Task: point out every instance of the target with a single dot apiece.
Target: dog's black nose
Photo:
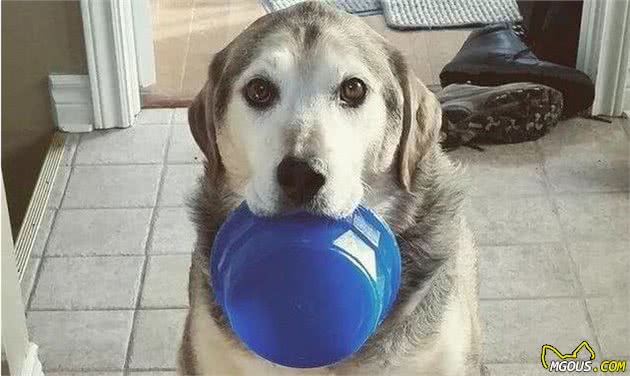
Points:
(298, 180)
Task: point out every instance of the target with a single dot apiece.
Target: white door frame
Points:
(112, 62)
(603, 52)
(143, 37)
(118, 67)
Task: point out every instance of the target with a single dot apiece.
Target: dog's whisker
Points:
(366, 187)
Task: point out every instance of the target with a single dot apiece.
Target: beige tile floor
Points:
(188, 32)
(106, 288)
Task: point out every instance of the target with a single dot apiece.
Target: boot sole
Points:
(575, 86)
(514, 116)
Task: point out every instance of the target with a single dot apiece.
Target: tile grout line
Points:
(514, 363)
(76, 150)
(118, 164)
(172, 206)
(564, 242)
(41, 263)
(72, 164)
(530, 298)
(115, 208)
(521, 244)
(102, 255)
(546, 193)
(106, 369)
(587, 193)
(72, 170)
(134, 319)
(52, 224)
(109, 309)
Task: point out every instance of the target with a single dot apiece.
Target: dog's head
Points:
(308, 104)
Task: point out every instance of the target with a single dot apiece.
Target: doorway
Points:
(187, 33)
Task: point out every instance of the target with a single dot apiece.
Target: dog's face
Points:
(305, 107)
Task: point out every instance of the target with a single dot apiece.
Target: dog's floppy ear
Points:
(421, 120)
(201, 117)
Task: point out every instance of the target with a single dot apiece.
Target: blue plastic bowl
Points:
(302, 290)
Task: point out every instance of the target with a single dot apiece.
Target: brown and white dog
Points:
(309, 107)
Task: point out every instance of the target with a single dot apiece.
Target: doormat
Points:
(358, 7)
(422, 14)
(436, 14)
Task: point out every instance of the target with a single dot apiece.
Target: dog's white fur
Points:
(309, 114)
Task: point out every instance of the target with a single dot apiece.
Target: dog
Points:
(310, 108)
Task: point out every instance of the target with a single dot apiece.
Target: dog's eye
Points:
(259, 92)
(353, 91)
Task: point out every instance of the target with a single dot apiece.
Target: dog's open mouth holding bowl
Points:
(330, 233)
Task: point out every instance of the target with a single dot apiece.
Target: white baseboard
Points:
(71, 100)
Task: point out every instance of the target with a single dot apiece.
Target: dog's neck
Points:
(384, 196)
(425, 221)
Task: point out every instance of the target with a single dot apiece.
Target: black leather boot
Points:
(495, 55)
